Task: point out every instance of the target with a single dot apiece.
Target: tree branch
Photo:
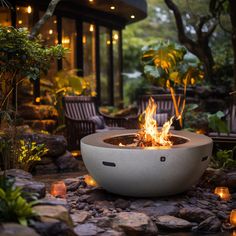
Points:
(49, 13)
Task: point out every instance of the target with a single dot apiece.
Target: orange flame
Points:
(149, 132)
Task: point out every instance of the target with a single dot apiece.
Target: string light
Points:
(29, 9)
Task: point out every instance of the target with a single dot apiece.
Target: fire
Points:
(149, 135)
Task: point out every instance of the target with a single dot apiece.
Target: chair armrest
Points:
(113, 121)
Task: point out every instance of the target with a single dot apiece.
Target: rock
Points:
(53, 229)
(48, 125)
(37, 112)
(72, 184)
(210, 225)
(67, 162)
(231, 179)
(18, 173)
(141, 203)
(56, 144)
(46, 169)
(134, 223)
(88, 229)
(52, 202)
(173, 223)
(159, 209)
(31, 186)
(80, 217)
(121, 203)
(13, 229)
(53, 214)
(111, 232)
(195, 214)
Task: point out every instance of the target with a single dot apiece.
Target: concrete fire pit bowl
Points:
(145, 172)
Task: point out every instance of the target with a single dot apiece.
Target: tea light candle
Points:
(89, 180)
(58, 189)
(233, 218)
(223, 192)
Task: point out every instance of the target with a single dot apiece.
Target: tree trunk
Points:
(232, 13)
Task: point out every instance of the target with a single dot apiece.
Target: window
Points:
(24, 17)
(69, 42)
(104, 64)
(116, 68)
(89, 44)
(5, 16)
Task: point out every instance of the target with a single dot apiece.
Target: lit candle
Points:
(223, 192)
(58, 189)
(233, 218)
(89, 180)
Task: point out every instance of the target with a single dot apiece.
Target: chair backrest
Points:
(80, 107)
(164, 103)
(232, 118)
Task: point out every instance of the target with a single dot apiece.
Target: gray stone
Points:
(18, 173)
(173, 223)
(80, 217)
(195, 214)
(141, 203)
(31, 186)
(67, 162)
(134, 223)
(46, 169)
(13, 229)
(210, 225)
(122, 204)
(51, 214)
(88, 229)
(111, 232)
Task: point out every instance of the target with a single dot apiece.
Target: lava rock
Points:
(67, 162)
(12, 229)
(195, 214)
(173, 223)
(210, 225)
(88, 229)
(134, 223)
(17, 173)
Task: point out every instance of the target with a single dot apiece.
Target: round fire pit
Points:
(145, 172)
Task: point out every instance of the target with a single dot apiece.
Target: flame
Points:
(149, 133)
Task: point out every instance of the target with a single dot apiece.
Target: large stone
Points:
(134, 223)
(88, 229)
(50, 214)
(46, 169)
(210, 225)
(80, 217)
(56, 144)
(173, 223)
(13, 229)
(18, 173)
(231, 179)
(67, 162)
(48, 125)
(37, 112)
(31, 186)
(195, 214)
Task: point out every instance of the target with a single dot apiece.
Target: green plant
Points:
(165, 64)
(13, 206)
(28, 153)
(224, 159)
(22, 58)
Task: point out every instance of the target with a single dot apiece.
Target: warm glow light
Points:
(65, 40)
(91, 28)
(233, 217)
(84, 39)
(108, 42)
(50, 31)
(20, 22)
(29, 9)
(132, 16)
(90, 0)
(149, 132)
(234, 233)
(75, 153)
(58, 189)
(89, 180)
(115, 36)
(17, 8)
(223, 192)
(37, 99)
(200, 131)
(55, 21)
(112, 7)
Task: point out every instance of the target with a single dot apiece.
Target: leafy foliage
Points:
(28, 153)
(224, 159)
(13, 206)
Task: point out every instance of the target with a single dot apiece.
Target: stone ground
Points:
(88, 211)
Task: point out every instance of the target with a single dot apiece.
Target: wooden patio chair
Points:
(227, 140)
(165, 109)
(83, 118)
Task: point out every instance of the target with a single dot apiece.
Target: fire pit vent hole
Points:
(107, 163)
(162, 159)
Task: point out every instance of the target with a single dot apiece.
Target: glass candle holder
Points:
(233, 218)
(223, 192)
(58, 189)
(89, 180)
